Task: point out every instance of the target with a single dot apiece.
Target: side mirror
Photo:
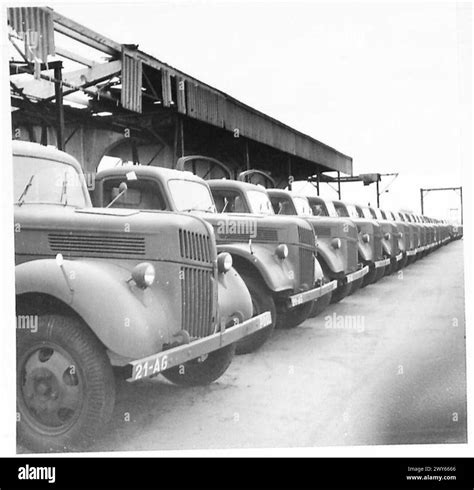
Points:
(122, 190)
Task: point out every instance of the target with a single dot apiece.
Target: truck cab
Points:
(98, 288)
(404, 236)
(337, 240)
(276, 258)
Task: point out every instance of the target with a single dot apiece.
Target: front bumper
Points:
(357, 274)
(382, 263)
(154, 364)
(311, 294)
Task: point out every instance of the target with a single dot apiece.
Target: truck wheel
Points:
(294, 317)
(356, 285)
(65, 385)
(340, 293)
(320, 305)
(262, 301)
(370, 277)
(389, 268)
(203, 370)
(380, 273)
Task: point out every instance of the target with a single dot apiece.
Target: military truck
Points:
(414, 233)
(276, 258)
(370, 241)
(337, 241)
(404, 236)
(237, 196)
(98, 288)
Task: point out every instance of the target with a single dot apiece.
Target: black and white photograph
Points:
(237, 225)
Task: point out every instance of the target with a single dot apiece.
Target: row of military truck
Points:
(158, 271)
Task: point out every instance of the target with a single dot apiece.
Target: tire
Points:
(295, 316)
(390, 268)
(65, 385)
(202, 371)
(320, 305)
(380, 272)
(356, 285)
(340, 293)
(262, 301)
(370, 277)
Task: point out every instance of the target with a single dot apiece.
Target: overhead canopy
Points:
(133, 82)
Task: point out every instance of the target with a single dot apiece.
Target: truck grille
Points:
(306, 236)
(378, 250)
(306, 267)
(194, 246)
(96, 244)
(196, 297)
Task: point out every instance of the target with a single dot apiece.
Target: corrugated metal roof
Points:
(195, 99)
(35, 26)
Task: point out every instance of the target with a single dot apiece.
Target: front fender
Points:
(120, 314)
(333, 261)
(387, 247)
(234, 298)
(365, 251)
(276, 273)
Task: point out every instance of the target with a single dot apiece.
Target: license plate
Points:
(297, 300)
(150, 367)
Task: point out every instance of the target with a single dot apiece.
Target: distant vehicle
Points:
(370, 241)
(97, 288)
(233, 196)
(337, 241)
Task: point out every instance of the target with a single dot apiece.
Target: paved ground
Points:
(396, 375)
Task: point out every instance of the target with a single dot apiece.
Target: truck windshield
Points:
(189, 195)
(302, 206)
(318, 207)
(282, 205)
(259, 202)
(41, 181)
(341, 210)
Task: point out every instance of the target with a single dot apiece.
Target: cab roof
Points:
(149, 171)
(35, 150)
(245, 186)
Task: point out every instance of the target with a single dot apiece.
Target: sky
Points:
(386, 83)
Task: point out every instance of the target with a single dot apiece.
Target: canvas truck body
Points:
(251, 240)
(337, 240)
(124, 280)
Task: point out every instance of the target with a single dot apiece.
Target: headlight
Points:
(336, 243)
(281, 251)
(387, 236)
(144, 275)
(224, 262)
(366, 237)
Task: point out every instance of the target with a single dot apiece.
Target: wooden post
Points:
(58, 91)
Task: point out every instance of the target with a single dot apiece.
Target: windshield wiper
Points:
(64, 190)
(21, 199)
